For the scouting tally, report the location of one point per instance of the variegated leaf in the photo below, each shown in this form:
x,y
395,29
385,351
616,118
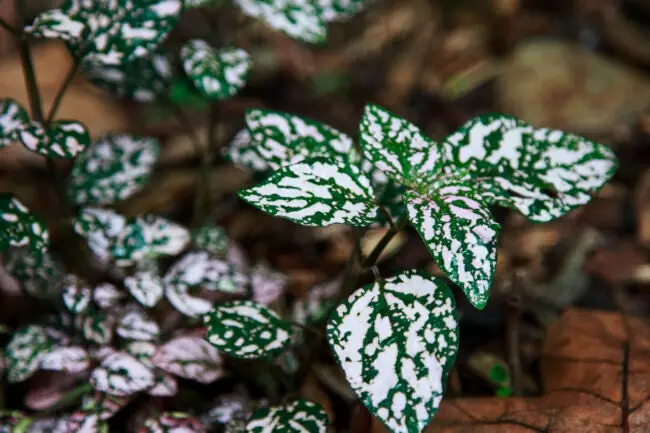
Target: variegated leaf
x,y
105,405
268,285
143,79
82,421
143,351
24,352
76,294
217,74
233,406
396,341
277,139
100,227
299,19
40,274
245,329
13,421
149,237
13,118
316,192
106,296
61,139
397,147
547,173
146,287
96,326
135,325
72,359
461,234
165,385
301,416
49,425
113,169
109,32
196,3
335,10
190,358
211,238
172,422
200,269
121,374
19,227
187,304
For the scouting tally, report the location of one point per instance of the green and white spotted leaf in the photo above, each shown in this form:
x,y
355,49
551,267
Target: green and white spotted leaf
x,y
316,192
135,325
143,79
105,405
96,326
199,268
300,416
462,236
529,162
143,351
191,358
211,238
146,287
279,139
173,422
106,296
165,385
242,151
396,341
24,352
149,237
196,3
82,421
19,227
113,169
62,139
186,303
299,19
245,329
397,147
100,227
217,74
13,118
335,10
71,359
121,375
76,294
109,32
267,285
40,274
232,406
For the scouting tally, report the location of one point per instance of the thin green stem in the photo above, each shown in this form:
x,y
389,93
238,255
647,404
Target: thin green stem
x,y
28,72
67,400
59,95
185,124
206,163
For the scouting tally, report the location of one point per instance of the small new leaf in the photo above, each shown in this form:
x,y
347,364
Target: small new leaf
x,y
172,422
135,325
120,375
211,238
190,358
24,352
146,287
76,294
217,74
100,227
19,227
301,416
317,192
13,118
245,329
114,168
299,19
62,139
396,341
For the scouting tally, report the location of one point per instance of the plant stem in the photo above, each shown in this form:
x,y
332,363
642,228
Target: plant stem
x,y
8,27
66,400
372,258
28,72
59,95
206,162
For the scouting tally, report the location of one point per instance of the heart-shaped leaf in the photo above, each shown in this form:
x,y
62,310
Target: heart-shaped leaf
x,y
149,237
301,416
100,227
146,287
13,118
143,351
135,325
19,227
217,74
121,374
24,352
61,139
297,18
76,294
190,358
211,238
461,234
276,139
113,169
397,147
547,172
96,326
316,192
396,341
143,79
40,274
172,422
106,296
72,359
245,329
199,269
109,32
